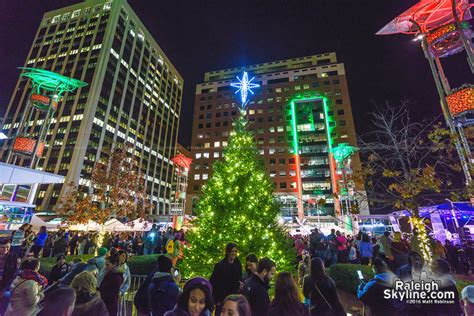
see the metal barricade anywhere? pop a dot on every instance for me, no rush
(126, 307)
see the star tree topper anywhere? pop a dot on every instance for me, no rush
(244, 87)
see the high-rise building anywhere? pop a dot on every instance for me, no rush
(300, 112)
(133, 96)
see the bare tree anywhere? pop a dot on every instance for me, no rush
(408, 164)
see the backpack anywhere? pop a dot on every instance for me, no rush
(159, 295)
(170, 246)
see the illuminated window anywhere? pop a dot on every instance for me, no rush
(251, 112)
(292, 173)
(293, 185)
(224, 143)
(271, 150)
(198, 155)
(281, 129)
(205, 155)
(204, 176)
(216, 155)
(207, 145)
(297, 88)
(217, 144)
(197, 177)
(282, 173)
(272, 173)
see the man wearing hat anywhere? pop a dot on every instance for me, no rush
(467, 300)
(99, 261)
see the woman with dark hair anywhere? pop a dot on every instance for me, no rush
(322, 292)
(59, 302)
(227, 276)
(195, 300)
(251, 262)
(26, 289)
(287, 301)
(110, 286)
(40, 241)
(123, 268)
(236, 305)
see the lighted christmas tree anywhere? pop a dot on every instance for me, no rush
(237, 205)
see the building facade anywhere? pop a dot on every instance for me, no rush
(133, 96)
(298, 115)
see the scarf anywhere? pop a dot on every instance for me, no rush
(35, 276)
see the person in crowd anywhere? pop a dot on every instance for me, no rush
(162, 291)
(287, 301)
(99, 261)
(60, 269)
(439, 251)
(27, 289)
(341, 247)
(372, 293)
(226, 276)
(138, 246)
(400, 249)
(59, 302)
(304, 268)
(321, 290)
(385, 243)
(27, 242)
(331, 256)
(352, 253)
(195, 300)
(467, 300)
(18, 238)
(251, 262)
(299, 246)
(151, 241)
(48, 247)
(39, 242)
(8, 269)
(81, 245)
(236, 305)
(88, 300)
(256, 288)
(412, 270)
(366, 250)
(60, 245)
(415, 243)
(442, 274)
(318, 245)
(73, 245)
(463, 265)
(110, 286)
(125, 270)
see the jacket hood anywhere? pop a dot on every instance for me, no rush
(84, 307)
(386, 277)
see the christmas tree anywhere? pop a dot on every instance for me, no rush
(237, 205)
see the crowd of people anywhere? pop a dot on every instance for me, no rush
(336, 247)
(95, 287)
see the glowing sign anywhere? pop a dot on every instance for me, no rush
(244, 86)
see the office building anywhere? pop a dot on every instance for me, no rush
(300, 112)
(133, 96)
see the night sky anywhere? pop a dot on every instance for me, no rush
(200, 36)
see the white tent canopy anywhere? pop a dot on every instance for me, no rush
(37, 222)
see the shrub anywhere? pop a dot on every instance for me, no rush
(48, 263)
(346, 278)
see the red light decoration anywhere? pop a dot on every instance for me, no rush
(429, 14)
(182, 161)
(445, 40)
(26, 146)
(40, 101)
(461, 101)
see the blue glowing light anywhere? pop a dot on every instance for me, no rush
(244, 86)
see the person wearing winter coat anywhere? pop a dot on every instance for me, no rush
(372, 293)
(60, 269)
(322, 292)
(26, 289)
(226, 276)
(110, 285)
(256, 288)
(195, 300)
(287, 301)
(88, 300)
(8, 266)
(39, 242)
(125, 270)
(159, 292)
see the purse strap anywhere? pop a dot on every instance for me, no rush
(320, 293)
